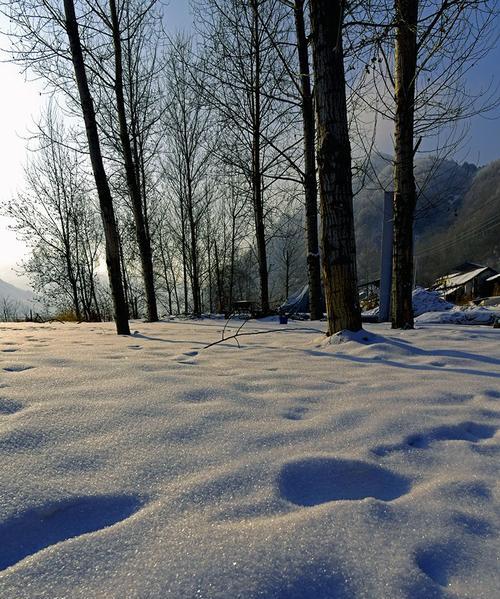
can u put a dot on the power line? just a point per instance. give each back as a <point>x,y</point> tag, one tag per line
<point>465,236</point>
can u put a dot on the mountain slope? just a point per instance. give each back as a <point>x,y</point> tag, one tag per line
<point>15,302</point>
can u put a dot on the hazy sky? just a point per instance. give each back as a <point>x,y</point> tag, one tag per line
<point>21,100</point>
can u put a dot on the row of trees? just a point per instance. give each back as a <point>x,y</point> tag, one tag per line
<point>198,151</point>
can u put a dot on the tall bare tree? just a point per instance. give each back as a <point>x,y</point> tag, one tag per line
<point>405,196</point>
<point>334,166</point>
<point>101,181</point>
<point>40,36</point>
<point>131,168</point>
<point>310,184</point>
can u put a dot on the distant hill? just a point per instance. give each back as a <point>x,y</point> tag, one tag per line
<point>15,302</point>
<point>473,234</point>
<point>442,187</point>
<point>457,220</point>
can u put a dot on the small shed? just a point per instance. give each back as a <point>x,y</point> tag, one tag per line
<point>467,281</point>
<point>494,283</point>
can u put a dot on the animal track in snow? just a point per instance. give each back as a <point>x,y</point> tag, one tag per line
<point>17,368</point>
<point>9,406</point>
<point>465,431</point>
<point>186,357</point>
<point>442,562</point>
<point>472,524</point>
<point>318,480</point>
<point>297,413</point>
<point>492,394</point>
<point>199,395</point>
<point>37,529</point>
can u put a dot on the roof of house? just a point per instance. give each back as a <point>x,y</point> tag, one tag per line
<point>494,277</point>
<point>453,281</point>
<point>467,267</point>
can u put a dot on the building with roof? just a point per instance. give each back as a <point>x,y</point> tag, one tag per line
<point>468,281</point>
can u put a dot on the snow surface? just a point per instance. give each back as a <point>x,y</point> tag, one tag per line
<point>461,315</point>
<point>423,301</point>
<point>289,468</point>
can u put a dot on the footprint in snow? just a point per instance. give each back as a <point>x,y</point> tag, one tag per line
<point>465,431</point>
<point>442,562</point>
<point>297,413</point>
<point>473,525</point>
<point>17,368</point>
<point>8,406</point>
<point>36,529</point>
<point>10,350</point>
<point>492,394</point>
<point>314,481</point>
<point>186,357</point>
<point>134,346</point>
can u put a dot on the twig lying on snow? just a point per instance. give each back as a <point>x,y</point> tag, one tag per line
<point>238,334</point>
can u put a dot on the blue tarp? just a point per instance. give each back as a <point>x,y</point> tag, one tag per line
<point>299,302</point>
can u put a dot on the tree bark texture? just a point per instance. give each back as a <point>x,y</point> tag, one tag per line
<point>310,185</point>
<point>101,181</point>
<point>334,168</point>
<point>405,196</point>
<point>133,185</point>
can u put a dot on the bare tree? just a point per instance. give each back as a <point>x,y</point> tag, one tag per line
<point>419,53</point>
<point>310,184</point>
<point>188,154</point>
<point>39,44</point>
<point>334,165</point>
<point>123,21</point>
<point>56,216</point>
<point>249,97</point>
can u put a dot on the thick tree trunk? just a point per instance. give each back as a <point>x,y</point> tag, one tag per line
<point>405,196</point>
<point>310,186</point>
<point>101,181</point>
<point>131,173</point>
<point>258,201</point>
<point>334,166</point>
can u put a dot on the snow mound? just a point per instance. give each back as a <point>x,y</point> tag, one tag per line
<point>465,315</point>
<point>428,301</point>
<point>361,336</point>
<point>423,301</point>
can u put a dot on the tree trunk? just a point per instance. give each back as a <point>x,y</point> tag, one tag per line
<point>184,257</point>
<point>258,204</point>
<point>193,239</point>
<point>405,196</point>
<point>101,181</point>
<point>221,307</point>
<point>310,186</point>
<point>334,166</point>
<point>131,173</point>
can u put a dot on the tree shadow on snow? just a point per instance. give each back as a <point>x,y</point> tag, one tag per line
<point>421,367</point>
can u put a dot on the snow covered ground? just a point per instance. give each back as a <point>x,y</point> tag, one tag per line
<point>430,308</point>
<point>147,467</point>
